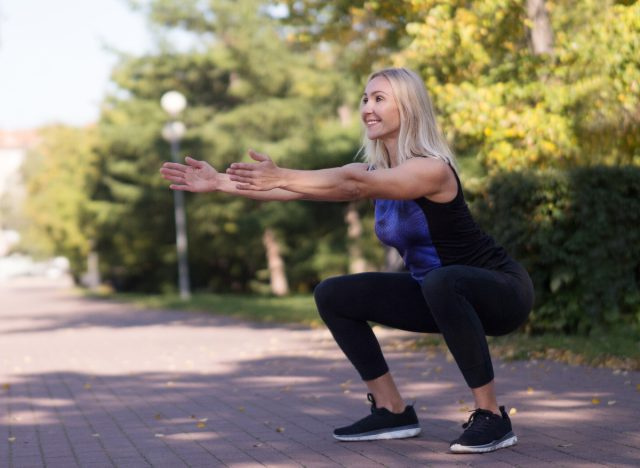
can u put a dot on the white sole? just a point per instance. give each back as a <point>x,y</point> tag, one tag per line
<point>397,434</point>
<point>508,441</point>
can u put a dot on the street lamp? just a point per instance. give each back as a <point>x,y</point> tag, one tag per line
<point>174,103</point>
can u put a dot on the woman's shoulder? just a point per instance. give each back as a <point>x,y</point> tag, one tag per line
<point>438,173</point>
<point>434,168</point>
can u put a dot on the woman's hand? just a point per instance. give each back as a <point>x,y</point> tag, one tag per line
<point>195,176</point>
<point>261,175</point>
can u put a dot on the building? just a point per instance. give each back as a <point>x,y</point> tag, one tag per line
<point>14,146</point>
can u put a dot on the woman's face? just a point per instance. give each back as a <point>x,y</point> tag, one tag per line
<point>379,110</point>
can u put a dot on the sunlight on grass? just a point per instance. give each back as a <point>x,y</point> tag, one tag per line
<point>616,349</point>
<point>298,309</point>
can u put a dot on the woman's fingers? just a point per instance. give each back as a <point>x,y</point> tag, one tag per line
<point>172,172</point>
<point>243,173</point>
<point>242,180</point>
<point>258,156</point>
<point>246,187</point>
<point>242,167</point>
<point>174,166</point>
<point>193,162</point>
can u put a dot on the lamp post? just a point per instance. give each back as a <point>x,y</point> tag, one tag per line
<point>174,103</point>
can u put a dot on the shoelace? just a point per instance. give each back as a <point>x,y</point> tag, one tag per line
<point>373,403</point>
<point>478,420</point>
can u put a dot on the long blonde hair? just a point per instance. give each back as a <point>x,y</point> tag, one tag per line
<point>419,133</point>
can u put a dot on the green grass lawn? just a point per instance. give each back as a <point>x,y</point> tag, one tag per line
<point>618,349</point>
<point>298,309</point>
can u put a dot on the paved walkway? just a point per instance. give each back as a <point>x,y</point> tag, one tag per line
<point>95,384</point>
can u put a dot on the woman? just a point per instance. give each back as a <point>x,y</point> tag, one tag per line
<point>460,283</point>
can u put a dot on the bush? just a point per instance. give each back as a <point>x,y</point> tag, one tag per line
<point>577,232</point>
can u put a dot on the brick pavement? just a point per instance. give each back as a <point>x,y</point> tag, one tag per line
<point>87,383</point>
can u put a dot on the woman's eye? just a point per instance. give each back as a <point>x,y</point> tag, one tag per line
<point>364,100</point>
<point>379,98</point>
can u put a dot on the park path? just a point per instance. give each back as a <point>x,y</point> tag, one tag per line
<point>88,383</point>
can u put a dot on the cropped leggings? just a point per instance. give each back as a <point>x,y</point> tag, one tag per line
<point>463,303</point>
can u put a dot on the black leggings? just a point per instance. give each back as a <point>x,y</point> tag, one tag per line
<point>463,303</point>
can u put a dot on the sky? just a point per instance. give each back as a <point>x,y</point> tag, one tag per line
<point>54,58</point>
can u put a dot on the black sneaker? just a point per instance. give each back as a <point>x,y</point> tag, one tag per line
<point>485,432</point>
<point>381,424</point>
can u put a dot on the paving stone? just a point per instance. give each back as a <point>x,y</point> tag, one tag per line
<point>92,383</point>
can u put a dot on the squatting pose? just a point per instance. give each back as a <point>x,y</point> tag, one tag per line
<point>459,283</point>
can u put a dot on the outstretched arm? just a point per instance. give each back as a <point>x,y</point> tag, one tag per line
<point>417,177</point>
<point>200,176</point>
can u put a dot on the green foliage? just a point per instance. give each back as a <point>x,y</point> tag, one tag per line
<point>576,232</point>
<point>361,34</point>
<point>60,174</point>
<point>287,87</point>
<point>246,89</point>
<point>518,110</point>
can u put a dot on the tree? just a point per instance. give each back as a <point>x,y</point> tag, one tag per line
<point>516,107</point>
<point>60,174</point>
<point>361,34</point>
<point>246,88</point>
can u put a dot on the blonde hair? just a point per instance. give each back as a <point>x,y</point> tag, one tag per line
<point>419,133</point>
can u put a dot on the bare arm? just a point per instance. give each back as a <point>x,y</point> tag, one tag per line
<point>200,176</point>
<point>417,177</point>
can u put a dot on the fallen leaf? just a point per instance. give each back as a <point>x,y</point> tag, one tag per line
<point>512,411</point>
<point>529,390</point>
<point>345,384</point>
<point>158,416</point>
<point>87,386</point>
<point>11,439</point>
<point>611,402</point>
<point>96,435</point>
<point>423,408</point>
<point>158,434</point>
<point>201,425</point>
<point>595,401</point>
<point>6,386</point>
<point>279,429</point>
<point>241,409</point>
<point>258,444</point>
<point>565,445</point>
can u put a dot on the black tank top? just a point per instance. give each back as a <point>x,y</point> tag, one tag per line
<point>431,235</point>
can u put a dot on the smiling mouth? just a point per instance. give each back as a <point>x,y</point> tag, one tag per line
<point>372,122</point>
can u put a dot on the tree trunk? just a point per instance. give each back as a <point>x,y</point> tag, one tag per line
<point>540,32</point>
<point>277,276</point>
<point>357,263</point>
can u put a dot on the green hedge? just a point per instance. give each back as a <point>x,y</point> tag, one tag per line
<point>578,234</point>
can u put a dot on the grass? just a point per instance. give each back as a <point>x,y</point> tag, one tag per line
<point>618,349</point>
<point>299,309</point>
